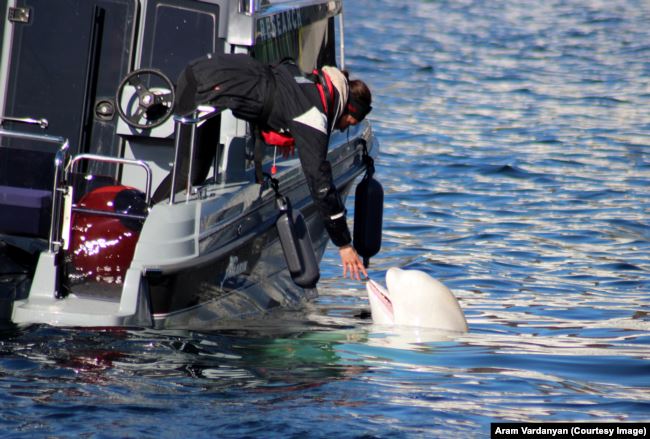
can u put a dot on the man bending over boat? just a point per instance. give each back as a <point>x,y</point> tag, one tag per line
<point>287,106</point>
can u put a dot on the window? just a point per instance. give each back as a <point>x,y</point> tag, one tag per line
<point>310,45</point>
<point>179,35</point>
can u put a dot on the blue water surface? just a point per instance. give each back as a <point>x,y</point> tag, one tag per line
<point>515,161</point>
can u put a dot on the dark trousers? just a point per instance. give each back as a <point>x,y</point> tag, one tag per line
<point>206,144</point>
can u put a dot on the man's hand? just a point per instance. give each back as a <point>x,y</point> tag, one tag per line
<point>352,263</point>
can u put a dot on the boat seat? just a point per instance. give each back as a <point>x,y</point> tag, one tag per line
<point>25,211</point>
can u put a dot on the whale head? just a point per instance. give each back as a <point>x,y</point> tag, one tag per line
<point>413,298</point>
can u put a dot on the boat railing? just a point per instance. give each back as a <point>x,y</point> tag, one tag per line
<point>190,122</point>
<point>60,159</point>
<point>71,168</point>
<point>42,122</point>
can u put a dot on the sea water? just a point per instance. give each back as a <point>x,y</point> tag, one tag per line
<point>515,160</point>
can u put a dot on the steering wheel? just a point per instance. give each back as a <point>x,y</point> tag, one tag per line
<point>150,106</point>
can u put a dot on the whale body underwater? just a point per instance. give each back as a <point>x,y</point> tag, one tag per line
<point>413,298</point>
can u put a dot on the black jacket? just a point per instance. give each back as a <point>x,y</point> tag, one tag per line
<point>273,97</point>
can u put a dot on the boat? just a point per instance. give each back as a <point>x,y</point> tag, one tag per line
<point>88,133</point>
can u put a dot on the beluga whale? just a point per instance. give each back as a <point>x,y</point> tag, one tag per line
<point>413,298</point>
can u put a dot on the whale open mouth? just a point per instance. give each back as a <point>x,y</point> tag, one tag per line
<point>382,295</point>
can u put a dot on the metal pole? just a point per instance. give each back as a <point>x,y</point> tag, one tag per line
<point>341,39</point>
<point>177,147</point>
<point>190,167</point>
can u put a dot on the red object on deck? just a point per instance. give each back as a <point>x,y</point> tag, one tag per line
<point>102,246</point>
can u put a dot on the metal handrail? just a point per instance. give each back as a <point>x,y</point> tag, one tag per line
<point>193,120</point>
<point>101,158</point>
<point>60,159</point>
<point>341,40</point>
<point>42,122</point>
<point>208,113</point>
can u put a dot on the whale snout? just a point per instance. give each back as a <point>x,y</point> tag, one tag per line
<point>381,305</point>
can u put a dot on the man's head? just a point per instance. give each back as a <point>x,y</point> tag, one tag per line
<point>358,105</point>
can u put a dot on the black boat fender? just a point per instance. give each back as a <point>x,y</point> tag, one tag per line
<point>368,212</point>
<point>296,242</point>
